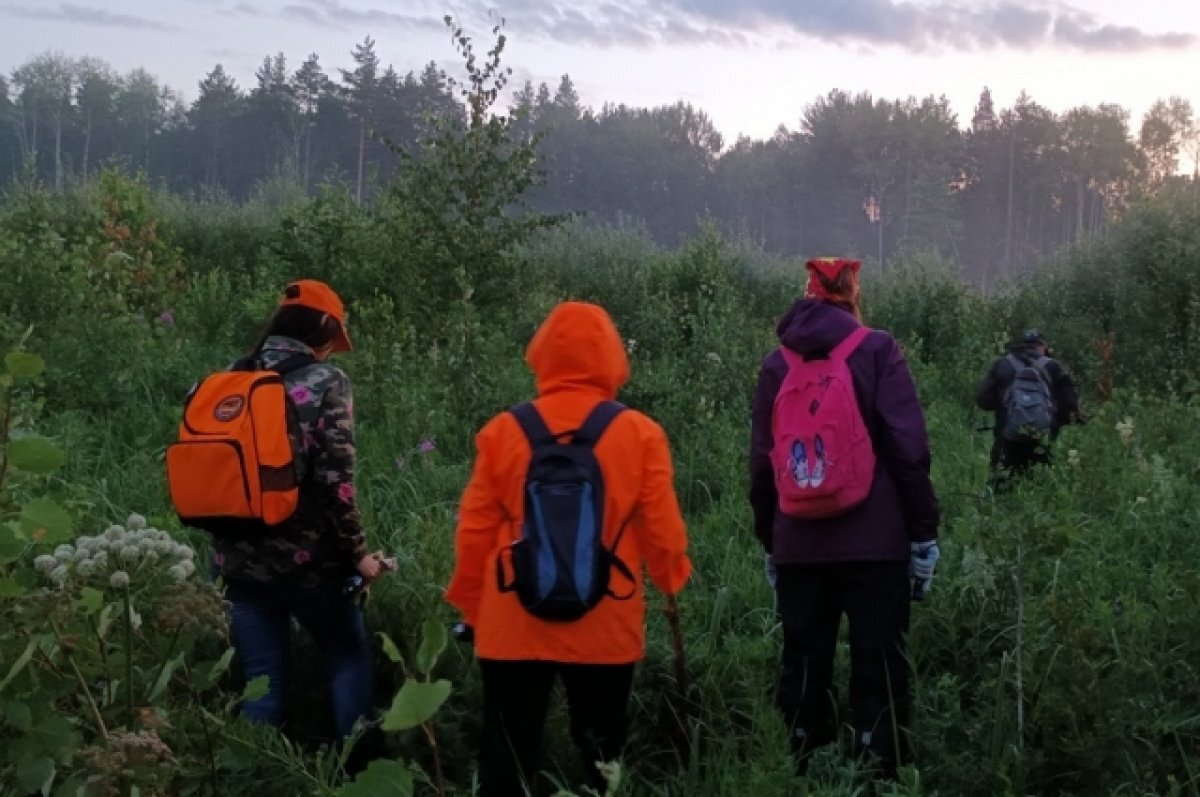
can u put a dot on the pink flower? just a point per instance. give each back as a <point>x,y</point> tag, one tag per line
<point>426,445</point>
<point>218,559</point>
<point>345,492</point>
<point>301,557</point>
<point>300,394</point>
<point>167,319</point>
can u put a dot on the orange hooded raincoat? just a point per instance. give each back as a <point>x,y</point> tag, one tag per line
<point>579,360</point>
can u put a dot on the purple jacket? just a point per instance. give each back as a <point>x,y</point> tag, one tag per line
<point>901,506</point>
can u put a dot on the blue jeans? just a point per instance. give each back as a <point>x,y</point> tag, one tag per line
<point>261,624</point>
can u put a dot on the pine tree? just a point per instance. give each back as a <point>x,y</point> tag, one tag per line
<point>362,88</point>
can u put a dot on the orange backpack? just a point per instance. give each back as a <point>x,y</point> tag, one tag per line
<point>234,459</point>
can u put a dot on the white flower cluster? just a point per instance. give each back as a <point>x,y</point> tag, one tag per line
<point>118,554</point>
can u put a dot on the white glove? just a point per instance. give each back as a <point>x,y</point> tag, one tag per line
<point>923,558</point>
<point>770,566</point>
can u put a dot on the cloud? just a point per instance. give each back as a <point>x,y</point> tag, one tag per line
<point>914,25</point>
<point>1087,35</point>
<point>1019,24</point>
<point>240,10</point>
<point>89,15</point>
<point>331,13</point>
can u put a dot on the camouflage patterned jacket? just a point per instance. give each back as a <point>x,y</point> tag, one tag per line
<point>323,541</point>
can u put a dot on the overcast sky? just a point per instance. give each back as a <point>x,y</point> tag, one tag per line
<point>752,64</point>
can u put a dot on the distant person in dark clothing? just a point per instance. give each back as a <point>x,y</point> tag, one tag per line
<point>1033,397</point>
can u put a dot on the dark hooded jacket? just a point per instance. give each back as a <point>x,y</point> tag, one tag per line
<point>901,506</point>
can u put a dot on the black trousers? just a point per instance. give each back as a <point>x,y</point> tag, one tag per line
<point>1012,459</point>
<point>875,597</point>
<point>516,695</point>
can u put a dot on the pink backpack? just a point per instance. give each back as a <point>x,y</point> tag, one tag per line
<point>824,462</point>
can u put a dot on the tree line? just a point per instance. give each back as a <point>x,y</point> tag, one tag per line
<point>857,175</point>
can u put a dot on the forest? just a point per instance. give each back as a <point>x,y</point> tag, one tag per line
<point>995,192</point>
<point>1058,651</point>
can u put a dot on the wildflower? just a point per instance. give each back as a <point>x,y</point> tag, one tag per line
<point>178,573</point>
<point>131,553</point>
<point>59,575</point>
<point>631,345</point>
<point>167,319</point>
<point>345,492</point>
<point>713,358</point>
<point>100,559</point>
<point>1073,457</point>
<point>188,567</point>
<point>426,445</point>
<point>184,552</point>
<point>218,559</point>
<point>114,532</point>
<point>135,522</point>
<point>190,605</point>
<point>119,579</point>
<point>85,543</point>
<point>86,568</point>
<point>301,557</point>
<point>126,756</point>
<point>64,553</point>
<point>81,555</point>
<point>45,563</point>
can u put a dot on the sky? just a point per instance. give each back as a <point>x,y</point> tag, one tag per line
<point>752,65</point>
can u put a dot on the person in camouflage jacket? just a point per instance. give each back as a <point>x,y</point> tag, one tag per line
<point>324,540</point>
<point>301,568</point>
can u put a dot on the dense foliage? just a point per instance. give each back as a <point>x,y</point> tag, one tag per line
<point>1056,655</point>
<point>994,192</point>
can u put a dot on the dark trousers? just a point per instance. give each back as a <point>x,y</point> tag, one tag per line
<point>1014,458</point>
<point>516,695</point>
<point>874,596</point>
<point>261,625</point>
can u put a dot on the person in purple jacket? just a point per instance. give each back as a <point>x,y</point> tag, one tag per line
<point>858,563</point>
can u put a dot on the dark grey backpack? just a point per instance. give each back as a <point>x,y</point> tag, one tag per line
<point>1028,401</point>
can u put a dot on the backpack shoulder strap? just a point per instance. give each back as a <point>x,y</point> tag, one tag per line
<point>597,423</point>
<point>1038,366</point>
<point>1041,365</point>
<point>293,363</point>
<point>247,363</point>
<point>532,424</point>
<point>1015,361</point>
<point>843,350</point>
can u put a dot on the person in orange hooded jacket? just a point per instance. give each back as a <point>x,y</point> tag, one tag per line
<point>579,361</point>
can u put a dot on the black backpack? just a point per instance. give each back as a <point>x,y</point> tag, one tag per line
<point>560,566</point>
<point>1028,401</point>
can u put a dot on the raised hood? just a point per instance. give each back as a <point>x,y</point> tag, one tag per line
<point>578,348</point>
